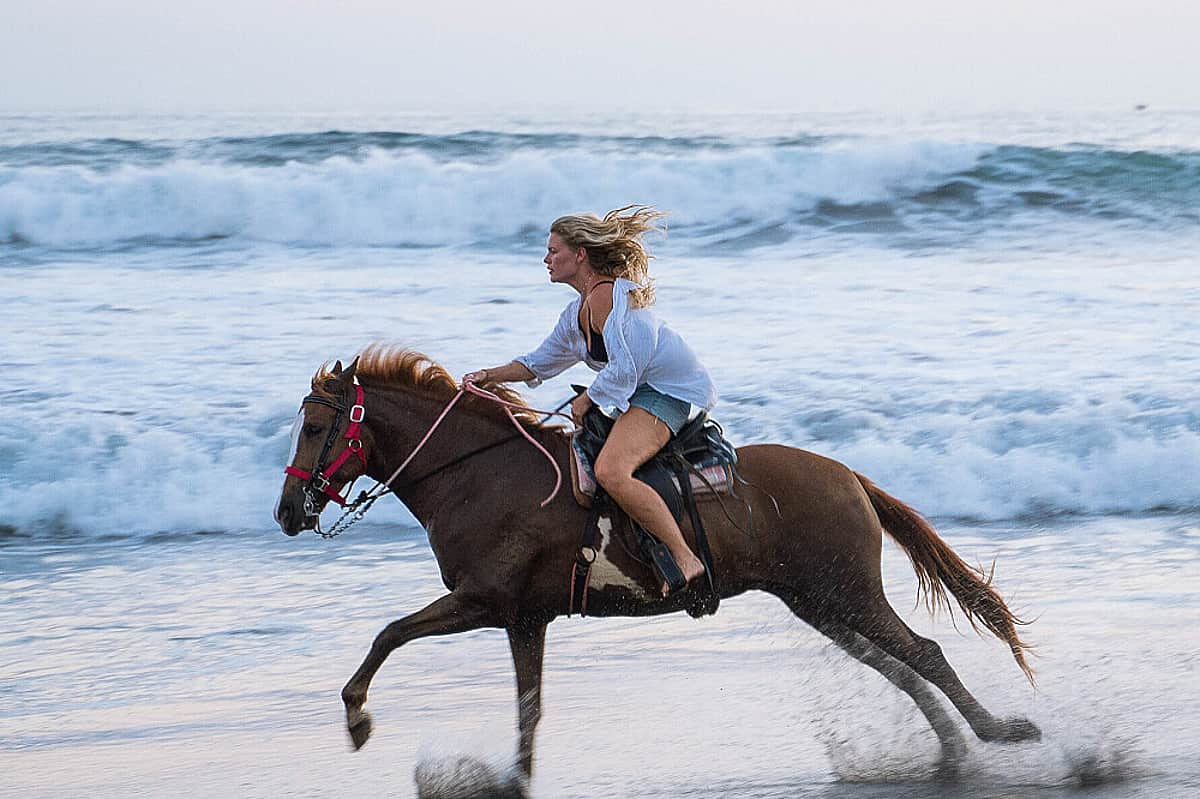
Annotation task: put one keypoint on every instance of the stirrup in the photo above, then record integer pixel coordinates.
(668, 570)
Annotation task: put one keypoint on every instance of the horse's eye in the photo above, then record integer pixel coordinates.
(312, 429)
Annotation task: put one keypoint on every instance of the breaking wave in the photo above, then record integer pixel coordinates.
(397, 189)
(112, 475)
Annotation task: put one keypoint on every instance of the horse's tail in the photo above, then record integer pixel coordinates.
(939, 568)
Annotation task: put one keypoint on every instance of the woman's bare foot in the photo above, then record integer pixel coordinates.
(691, 568)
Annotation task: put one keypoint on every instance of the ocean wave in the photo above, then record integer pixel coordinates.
(1006, 454)
(1003, 458)
(491, 189)
(284, 148)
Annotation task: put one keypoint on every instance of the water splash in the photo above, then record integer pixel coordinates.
(466, 777)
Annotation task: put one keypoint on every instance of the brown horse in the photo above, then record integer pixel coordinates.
(813, 540)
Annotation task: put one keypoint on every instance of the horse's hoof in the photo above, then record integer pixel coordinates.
(1016, 729)
(358, 724)
(954, 752)
(949, 768)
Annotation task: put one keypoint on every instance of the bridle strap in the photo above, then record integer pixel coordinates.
(471, 388)
(320, 478)
(463, 457)
(480, 450)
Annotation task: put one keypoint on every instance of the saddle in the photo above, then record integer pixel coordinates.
(710, 461)
(698, 461)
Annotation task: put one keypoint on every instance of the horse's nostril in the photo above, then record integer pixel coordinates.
(285, 518)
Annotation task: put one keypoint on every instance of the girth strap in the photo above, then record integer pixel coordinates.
(707, 601)
(586, 556)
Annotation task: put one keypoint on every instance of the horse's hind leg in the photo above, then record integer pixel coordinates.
(444, 616)
(904, 678)
(954, 748)
(883, 628)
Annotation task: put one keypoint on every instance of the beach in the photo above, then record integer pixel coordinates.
(992, 318)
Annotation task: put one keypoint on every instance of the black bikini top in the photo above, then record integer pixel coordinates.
(594, 338)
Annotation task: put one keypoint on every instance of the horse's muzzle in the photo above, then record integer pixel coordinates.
(291, 516)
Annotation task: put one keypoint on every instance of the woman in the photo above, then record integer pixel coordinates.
(648, 377)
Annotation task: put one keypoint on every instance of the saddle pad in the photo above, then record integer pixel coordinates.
(715, 478)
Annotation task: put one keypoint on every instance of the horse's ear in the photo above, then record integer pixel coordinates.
(340, 377)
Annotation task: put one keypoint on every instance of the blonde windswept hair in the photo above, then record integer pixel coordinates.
(614, 244)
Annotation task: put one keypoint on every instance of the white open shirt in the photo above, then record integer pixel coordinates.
(641, 349)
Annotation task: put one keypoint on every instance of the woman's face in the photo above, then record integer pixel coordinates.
(562, 262)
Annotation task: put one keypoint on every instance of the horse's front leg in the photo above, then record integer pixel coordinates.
(528, 643)
(449, 614)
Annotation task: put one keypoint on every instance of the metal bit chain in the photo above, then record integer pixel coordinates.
(349, 517)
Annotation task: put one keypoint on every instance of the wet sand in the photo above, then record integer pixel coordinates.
(210, 665)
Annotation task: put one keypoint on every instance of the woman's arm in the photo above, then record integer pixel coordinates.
(561, 350)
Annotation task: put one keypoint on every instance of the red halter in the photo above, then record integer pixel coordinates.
(320, 480)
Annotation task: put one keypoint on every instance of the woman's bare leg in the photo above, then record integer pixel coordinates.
(636, 437)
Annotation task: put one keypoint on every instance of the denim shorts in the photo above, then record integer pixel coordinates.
(670, 411)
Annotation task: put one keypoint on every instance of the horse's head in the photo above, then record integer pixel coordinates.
(329, 449)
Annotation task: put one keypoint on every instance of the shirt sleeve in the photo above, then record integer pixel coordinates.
(557, 353)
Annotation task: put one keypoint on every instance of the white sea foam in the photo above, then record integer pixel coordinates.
(388, 198)
(111, 475)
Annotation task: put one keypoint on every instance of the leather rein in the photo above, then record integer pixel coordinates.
(319, 479)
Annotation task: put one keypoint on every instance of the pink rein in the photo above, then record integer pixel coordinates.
(508, 406)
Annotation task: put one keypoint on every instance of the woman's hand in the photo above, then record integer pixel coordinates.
(579, 406)
(479, 378)
(493, 375)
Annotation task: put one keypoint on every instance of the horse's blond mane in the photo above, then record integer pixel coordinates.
(390, 365)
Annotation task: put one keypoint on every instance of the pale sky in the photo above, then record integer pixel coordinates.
(447, 55)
